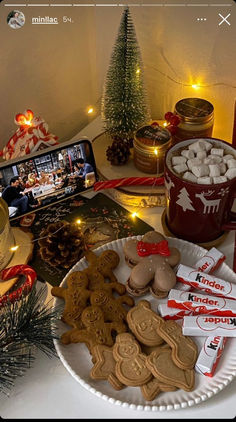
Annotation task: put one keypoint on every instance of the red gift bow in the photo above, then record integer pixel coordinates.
(160, 248)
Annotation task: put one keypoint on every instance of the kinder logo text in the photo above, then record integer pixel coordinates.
(205, 300)
(214, 284)
(211, 323)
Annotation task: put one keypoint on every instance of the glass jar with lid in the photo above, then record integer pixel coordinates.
(150, 145)
(196, 119)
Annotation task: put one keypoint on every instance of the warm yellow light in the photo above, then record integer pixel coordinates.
(165, 124)
(138, 71)
(134, 215)
(78, 221)
(90, 110)
(195, 86)
(156, 151)
(14, 248)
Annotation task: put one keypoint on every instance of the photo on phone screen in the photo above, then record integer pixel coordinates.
(47, 177)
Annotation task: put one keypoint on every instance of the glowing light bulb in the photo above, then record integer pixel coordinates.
(14, 248)
(156, 151)
(138, 71)
(195, 86)
(134, 215)
(78, 221)
(90, 110)
(165, 124)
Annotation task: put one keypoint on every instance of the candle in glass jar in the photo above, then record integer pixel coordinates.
(196, 119)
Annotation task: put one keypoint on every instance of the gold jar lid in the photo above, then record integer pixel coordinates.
(150, 150)
(194, 110)
(152, 136)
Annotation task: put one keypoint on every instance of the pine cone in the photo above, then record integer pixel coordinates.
(118, 152)
(62, 244)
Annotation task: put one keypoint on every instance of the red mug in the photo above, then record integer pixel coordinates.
(196, 212)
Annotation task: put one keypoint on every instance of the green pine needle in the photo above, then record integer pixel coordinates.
(25, 325)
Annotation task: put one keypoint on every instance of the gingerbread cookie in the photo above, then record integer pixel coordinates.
(166, 371)
(143, 322)
(184, 350)
(104, 263)
(104, 366)
(152, 262)
(96, 331)
(76, 297)
(130, 366)
(111, 307)
(154, 387)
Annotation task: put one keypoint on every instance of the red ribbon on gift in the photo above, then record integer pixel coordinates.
(160, 248)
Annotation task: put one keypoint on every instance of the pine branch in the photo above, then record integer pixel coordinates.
(25, 325)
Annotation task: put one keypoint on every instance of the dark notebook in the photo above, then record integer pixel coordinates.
(103, 220)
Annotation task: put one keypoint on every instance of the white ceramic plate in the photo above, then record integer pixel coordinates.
(77, 360)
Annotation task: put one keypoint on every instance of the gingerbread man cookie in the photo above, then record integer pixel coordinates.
(96, 331)
(152, 262)
(112, 307)
(100, 267)
(76, 297)
(130, 367)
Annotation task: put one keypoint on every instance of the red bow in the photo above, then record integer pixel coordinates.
(160, 248)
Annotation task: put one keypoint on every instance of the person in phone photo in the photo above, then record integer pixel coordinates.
(13, 197)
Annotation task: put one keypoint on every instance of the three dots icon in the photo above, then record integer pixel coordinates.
(201, 19)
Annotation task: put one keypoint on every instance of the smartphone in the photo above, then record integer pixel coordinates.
(48, 176)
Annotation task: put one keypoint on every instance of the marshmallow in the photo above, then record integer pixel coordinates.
(200, 170)
(231, 173)
(204, 180)
(207, 144)
(217, 151)
(222, 168)
(214, 170)
(228, 157)
(180, 168)
(190, 177)
(201, 154)
(220, 179)
(231, 164)
(178, 160)
(188, 153)
(197, 146)
(193, 162)
(216, 159)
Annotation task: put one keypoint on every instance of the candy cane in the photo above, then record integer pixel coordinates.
(129, 181)
(14, 271)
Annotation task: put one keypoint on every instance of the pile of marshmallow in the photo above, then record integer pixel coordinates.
(204, 163)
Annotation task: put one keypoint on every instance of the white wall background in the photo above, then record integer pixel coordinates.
(59, 70)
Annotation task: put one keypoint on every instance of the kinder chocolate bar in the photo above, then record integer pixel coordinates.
(207, 264)
(209, 355)
(172, 313)
(207, 283)
(201, 304)
(205, 325)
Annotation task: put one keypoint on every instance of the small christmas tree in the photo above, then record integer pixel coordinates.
(124, 106)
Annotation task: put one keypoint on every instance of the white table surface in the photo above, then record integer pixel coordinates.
(48, 391)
